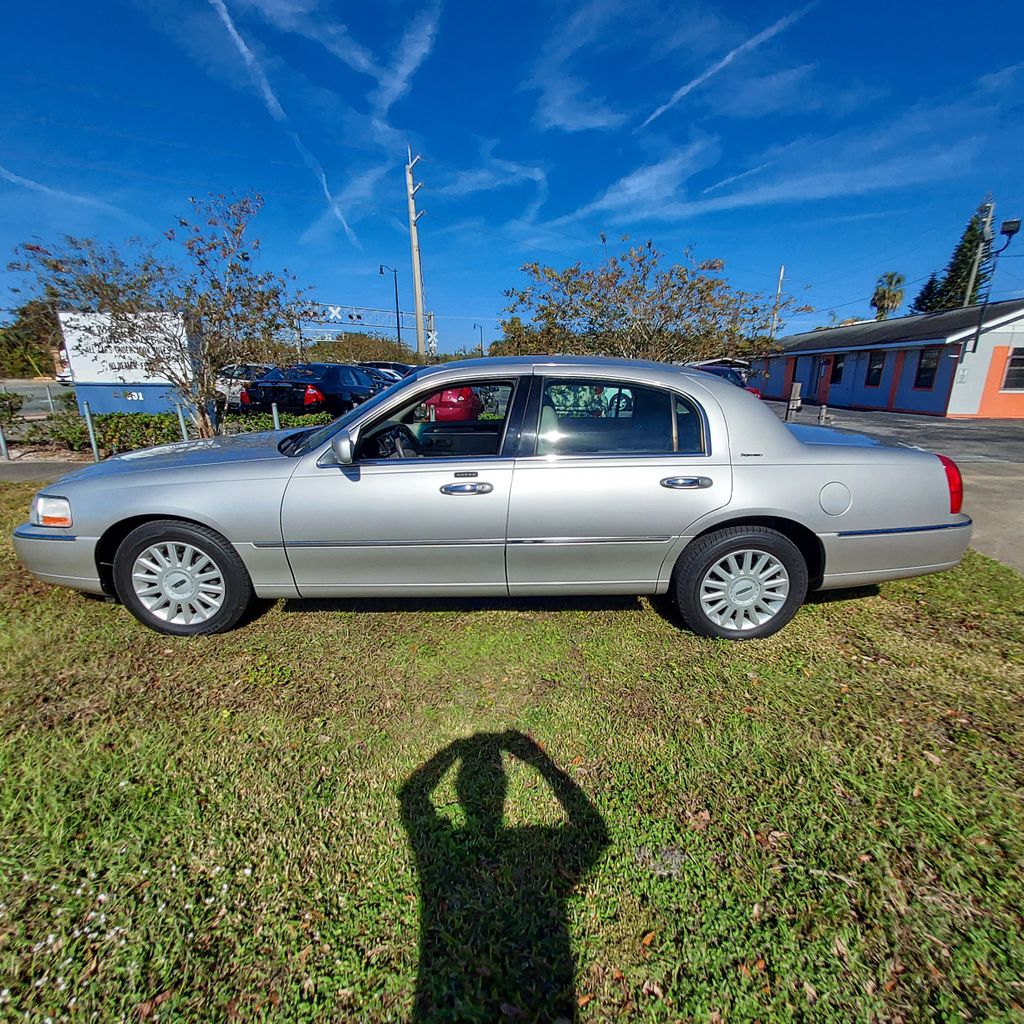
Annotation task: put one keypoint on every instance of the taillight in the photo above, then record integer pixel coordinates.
(955, 482)
(312, 395)
(243, 397)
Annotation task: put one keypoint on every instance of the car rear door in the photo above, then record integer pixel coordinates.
(610, 474)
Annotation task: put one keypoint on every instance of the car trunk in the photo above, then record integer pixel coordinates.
(288, 394)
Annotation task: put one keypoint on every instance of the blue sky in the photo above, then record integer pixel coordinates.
(840, 139)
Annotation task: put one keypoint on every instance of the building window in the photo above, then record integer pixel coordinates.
(876, 364)
(927, 364)
(837, 370)
(1014, 378)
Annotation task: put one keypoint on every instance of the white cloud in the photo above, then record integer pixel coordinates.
(497, 173)
(644, 191)
(737, 51)
(562, 103)
(60, 194)
(277, 112)
(393, 77)
(928, 142)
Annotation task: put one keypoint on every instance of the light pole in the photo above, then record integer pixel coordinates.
(1007, 229)
(398, 312)
(480, 328)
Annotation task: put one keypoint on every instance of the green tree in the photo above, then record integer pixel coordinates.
(958, 270)
(951, 287)
(231, 311)
(888, 294)
(631, 305)
(29, 346)
(357, 347)
(928, 297)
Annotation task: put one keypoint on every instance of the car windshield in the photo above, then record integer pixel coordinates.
(305, 441)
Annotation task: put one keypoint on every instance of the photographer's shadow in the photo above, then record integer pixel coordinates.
(494, 939)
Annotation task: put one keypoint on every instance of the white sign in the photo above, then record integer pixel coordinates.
(83, 334)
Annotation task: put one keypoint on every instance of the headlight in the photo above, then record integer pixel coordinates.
(47, 511)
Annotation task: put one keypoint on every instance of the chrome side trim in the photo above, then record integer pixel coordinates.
(482, 542)
(905, 529)
(589, 540)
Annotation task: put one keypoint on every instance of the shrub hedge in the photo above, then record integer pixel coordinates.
(129, 431)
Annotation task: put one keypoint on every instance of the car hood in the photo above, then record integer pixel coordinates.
(189, 454)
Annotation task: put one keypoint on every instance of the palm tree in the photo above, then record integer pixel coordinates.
(888, 296)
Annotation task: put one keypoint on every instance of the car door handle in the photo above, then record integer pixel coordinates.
(467, 488)
(686, 483)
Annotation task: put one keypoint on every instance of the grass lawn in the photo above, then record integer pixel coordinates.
(823, 826)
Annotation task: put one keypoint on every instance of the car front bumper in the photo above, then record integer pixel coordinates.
(58, 556)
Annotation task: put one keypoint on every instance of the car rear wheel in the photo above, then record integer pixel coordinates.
(181, 579)
(740, 583)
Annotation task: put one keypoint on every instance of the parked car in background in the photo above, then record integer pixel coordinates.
(380, 378)
(697, 491)
(732, 375)
(455, 404)
(402, 369)
(310, 388)
(65, 378)
(231, 379)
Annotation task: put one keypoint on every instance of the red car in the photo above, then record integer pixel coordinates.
(454, 404)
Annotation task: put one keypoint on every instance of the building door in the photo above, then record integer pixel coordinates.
(824, 378)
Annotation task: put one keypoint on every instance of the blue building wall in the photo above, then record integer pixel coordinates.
(804, 372)
(852, 391)
(932, 400)
(103, 398)
(771, 378)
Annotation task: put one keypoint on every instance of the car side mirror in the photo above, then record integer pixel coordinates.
(344, 447)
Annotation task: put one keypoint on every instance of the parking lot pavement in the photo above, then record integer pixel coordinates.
(994, 496)
(34, 393)
(18, 472)
(962, 440)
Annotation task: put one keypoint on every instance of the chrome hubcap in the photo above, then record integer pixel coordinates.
(178, 583)
(745, 589)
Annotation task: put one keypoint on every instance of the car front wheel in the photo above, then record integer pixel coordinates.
(181, 579)
(740, 583)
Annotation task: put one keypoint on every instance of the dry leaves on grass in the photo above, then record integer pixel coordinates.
(148, 1007)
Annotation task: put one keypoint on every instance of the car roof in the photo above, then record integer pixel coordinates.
(521, 363)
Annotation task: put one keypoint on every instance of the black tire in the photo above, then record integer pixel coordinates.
(701, 555)
(233, 576)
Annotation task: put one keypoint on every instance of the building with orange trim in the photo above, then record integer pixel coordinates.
(966, 362)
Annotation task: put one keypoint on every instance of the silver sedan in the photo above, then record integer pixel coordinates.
(498, 477)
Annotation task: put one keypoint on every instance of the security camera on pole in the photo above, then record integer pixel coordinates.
(414, 241)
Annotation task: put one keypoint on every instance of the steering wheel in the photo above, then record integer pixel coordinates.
(406, 446)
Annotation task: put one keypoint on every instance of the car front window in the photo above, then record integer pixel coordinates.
(324, 434)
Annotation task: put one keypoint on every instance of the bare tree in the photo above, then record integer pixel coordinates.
(175, 321)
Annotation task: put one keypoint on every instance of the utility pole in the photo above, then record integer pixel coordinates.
(414, 241)
(986, 239)
(480, 328)
(778, 300)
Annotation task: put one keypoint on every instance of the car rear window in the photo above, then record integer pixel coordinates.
(296, 373)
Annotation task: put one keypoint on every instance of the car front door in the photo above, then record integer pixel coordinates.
(421, 516)
(610, 475)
